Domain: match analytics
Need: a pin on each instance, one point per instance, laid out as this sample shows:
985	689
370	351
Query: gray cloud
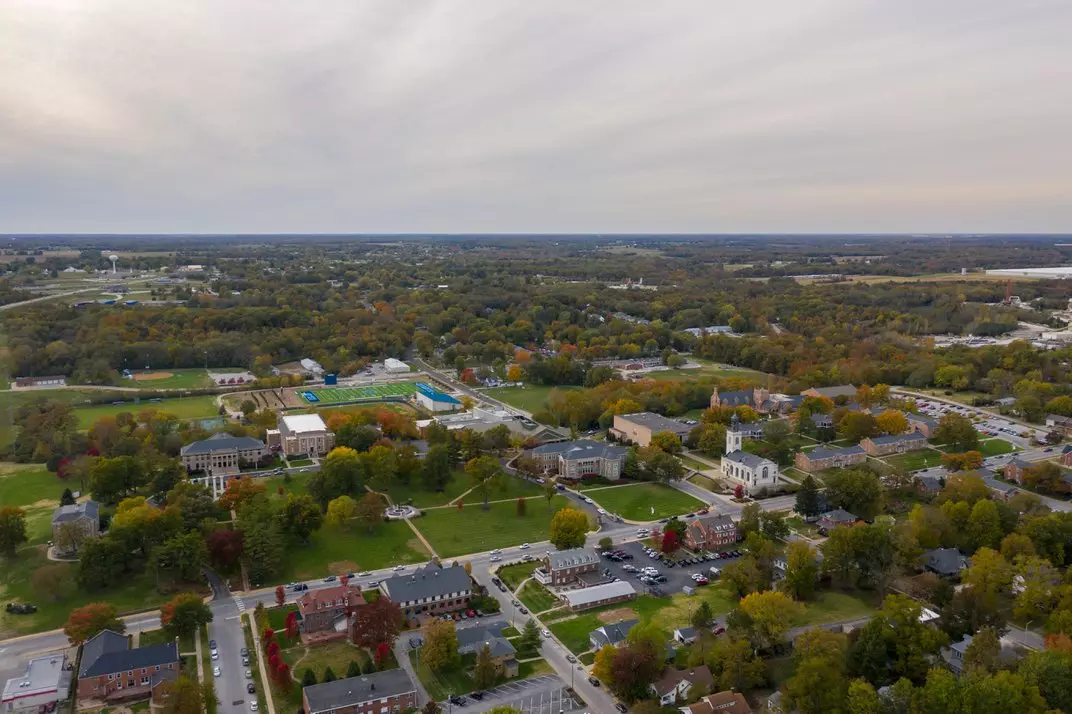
513	115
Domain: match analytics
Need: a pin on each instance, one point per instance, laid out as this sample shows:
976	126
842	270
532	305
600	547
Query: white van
715	572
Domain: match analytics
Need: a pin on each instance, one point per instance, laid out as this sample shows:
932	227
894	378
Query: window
111	677
158	668
144	681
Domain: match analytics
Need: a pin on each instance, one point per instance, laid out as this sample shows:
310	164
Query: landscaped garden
645	501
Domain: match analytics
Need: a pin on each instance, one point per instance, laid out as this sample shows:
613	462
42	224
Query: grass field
514	575
402	493
693	463
333	550
833	606
509	487
183	407
37	491
441	685
472	529
536	597
371	392
645	501
574	632
914	460
995	447
531	398
170	379
708	369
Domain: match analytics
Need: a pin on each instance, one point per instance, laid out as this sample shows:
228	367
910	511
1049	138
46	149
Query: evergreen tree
329	675
309	678
353	670
808	498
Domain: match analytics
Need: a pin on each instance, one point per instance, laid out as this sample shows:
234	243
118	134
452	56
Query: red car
471	613
720	630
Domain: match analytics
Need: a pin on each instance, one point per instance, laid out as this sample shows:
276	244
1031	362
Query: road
54	296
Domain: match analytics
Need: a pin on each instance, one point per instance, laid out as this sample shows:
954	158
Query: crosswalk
240	604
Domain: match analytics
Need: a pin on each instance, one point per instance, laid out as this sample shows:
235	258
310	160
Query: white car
524	546
601	512
546	633
215	654
497	551
398	568
253	705
215	671
364	574
495	559
249	674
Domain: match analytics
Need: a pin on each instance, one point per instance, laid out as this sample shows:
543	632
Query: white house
753	472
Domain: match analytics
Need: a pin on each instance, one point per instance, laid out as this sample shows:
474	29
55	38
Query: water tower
113	257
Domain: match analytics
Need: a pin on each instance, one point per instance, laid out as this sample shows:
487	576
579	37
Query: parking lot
543	694
677	577
987	425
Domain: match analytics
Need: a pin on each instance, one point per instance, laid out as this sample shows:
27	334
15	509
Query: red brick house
388	692
110	671
322	614
566	566
711	532
1014	470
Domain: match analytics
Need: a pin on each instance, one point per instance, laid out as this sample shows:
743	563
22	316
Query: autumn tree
238	491
51	582
802	570
967	461
819	683
12	530
280	595
224	548
485	473
89	620
377	622
300	517
440	650
771	614
341	511
485	672
668	441
184	613
370	510
957	432
568	528
891	421
182	696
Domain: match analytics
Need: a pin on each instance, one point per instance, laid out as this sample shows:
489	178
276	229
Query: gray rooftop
330	696
222	442
43	676
841	390
961	646
571	557
839	515
582	449
109	652
66	514
472	639
746	459
612	633
945	561
429	581
657	422
921	418
898	438
735	399
824	453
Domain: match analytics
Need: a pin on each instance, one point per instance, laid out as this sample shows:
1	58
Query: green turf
693	463
531	398
333	550
180	379
341	395
508	487
295	485
514	575
455	532
536	597
833	606
637	501
914	460
299	462
996	447
203	406
402	493
441	685
37	491
573	633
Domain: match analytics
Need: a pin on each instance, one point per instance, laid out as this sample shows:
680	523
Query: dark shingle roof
843	390
746	458
824	453
571	557
108	652
612	633
428	581
735	399
66	514
945	561
839	515
222	442
898	438
355	690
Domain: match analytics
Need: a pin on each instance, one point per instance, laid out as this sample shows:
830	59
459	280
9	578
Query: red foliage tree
282	676
273	665
273	648
345	580
280	595
292	624
738	492
377	622
268	636
225	548
670	541
382	650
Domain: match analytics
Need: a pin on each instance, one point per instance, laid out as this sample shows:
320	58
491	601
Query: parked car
330	579
593	681
251	688
244	652
215	671
570	658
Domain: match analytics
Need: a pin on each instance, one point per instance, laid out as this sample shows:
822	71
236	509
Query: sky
549	116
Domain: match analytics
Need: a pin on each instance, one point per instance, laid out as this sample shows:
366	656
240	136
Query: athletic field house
426	396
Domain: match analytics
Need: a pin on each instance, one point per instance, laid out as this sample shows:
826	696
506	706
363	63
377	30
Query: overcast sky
535	116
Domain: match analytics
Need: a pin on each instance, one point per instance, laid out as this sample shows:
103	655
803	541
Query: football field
367	393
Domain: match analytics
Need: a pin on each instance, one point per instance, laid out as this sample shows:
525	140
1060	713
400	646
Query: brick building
597	595
322	614
1014	470
822	458
640	427
922	424
566	566
388	692
111	671
301	434
432	590
894	444
581	457
710	532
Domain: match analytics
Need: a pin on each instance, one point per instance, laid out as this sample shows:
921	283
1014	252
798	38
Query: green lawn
336	655
299	462
403	493
536	597
574	632
134	592
180	379
441	685
455	532
645	501
914	460
509	487
183	407
157	637
295	485
333	550
833	606
531	398
37	491
514	575
996	447
693	463
709	368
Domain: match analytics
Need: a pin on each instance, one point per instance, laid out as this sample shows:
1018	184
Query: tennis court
367	393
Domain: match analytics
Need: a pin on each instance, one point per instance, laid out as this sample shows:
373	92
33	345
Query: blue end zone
310	397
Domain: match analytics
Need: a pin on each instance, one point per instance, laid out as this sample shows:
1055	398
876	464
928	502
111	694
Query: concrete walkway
268	699
421	538
402	655
200	664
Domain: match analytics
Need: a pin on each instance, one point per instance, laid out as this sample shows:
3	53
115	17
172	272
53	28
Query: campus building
395	366
822	458
597	595
111	671
435	401
640	427
847	391
754	473
222	454
922	424
323	614
581	457
710	532
50	381
83	516
387	692
894	444
565	566
301	434
432	590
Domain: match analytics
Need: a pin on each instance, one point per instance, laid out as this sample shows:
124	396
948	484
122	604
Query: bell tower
734	435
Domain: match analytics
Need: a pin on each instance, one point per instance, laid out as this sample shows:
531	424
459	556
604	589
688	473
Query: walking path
200	664
421	538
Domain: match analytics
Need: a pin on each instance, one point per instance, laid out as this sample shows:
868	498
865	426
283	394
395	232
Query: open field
927	278
708	368
334	550
536	597
996	447
37	492
514	575
169	379
509	487
531	398
645	501
203	406
834	606
421	498
371	392
472	529
914	460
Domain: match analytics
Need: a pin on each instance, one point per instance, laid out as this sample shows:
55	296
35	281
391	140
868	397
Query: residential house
844	390
894	444
1066	455
301	434
1001	489
638	428
757	398
1060	424
921	424
389	691
111	671
46	682
222	454
821	421
613	633
323	614
728	702
1014	470
676	684
685	635
605	594
1008	654
837	517
946	562
471	640
566	566
710	532
581	457
432	590
72	524
929	484
821	458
